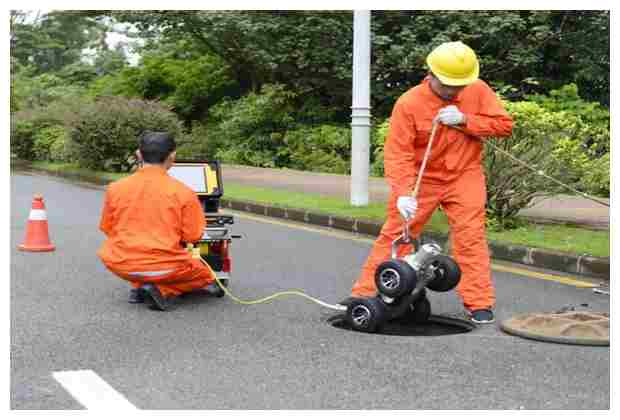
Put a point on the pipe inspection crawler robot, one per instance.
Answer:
(401, 285)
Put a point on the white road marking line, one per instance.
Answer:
(91, 391)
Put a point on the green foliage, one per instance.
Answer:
(107, 130)
(190, 85)
(251, 129)
(596, 176)
(27, 123)
(379, 137)
(588, 151)
(324, 148)
(49, 143)
(48, 42)
(550, 143)
(124, 83)
(594, 118)
(199, 143)
(34, 91)
(310, 51)
(22, 139)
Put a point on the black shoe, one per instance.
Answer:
(136, 295)
(482, 316)
(214, 289)
(155, 298)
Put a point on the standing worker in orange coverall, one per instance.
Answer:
(146, 218)
(468, 111)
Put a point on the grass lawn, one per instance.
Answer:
(554, 237)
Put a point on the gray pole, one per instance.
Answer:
(360, 117)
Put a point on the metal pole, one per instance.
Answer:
(360, 117)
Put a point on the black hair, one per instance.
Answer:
(156, 146)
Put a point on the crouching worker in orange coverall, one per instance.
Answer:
(467, 111)
(147, 217)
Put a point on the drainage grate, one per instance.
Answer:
(435, 326)
(572, 327)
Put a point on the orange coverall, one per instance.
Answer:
(145, 217)
(453, 178)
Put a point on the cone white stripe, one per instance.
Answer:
(38, 215)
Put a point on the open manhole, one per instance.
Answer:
(436, 325)
(573, 327)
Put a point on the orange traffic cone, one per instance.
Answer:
(37, 237)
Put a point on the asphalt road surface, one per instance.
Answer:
(69, 316)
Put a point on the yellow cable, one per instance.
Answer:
(196, 254)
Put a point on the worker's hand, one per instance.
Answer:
(407, 206)
(451, 115)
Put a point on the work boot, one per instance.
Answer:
(482, 316)
(155, 298)
(136, 295)
(214, 289)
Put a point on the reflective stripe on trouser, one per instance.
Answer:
(463, 201)
(195, 275)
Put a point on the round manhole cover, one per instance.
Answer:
(583, 328)
(436, 325)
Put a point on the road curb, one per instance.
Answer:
(541, 258)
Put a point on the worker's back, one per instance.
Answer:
(146, 216)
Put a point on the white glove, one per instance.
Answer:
(407, 206)
(450, 115)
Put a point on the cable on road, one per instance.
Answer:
(290, 292)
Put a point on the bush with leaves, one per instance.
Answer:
(378, 142)
(550, 143)
(22, 138)
(50, 143)
(27, 123)
(198, 143)
(106, 132)
(324, 148)
(594, 118)
(251, 129)
(190, 85)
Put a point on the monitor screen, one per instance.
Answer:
(191, 175)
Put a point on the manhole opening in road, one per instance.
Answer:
(435, 326)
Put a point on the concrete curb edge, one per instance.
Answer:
(553, 260)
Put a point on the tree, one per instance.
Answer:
(51, 41)
(520, 52)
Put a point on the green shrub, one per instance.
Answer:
(107, 130)
(325, 148)
(596, 176)
(50, 139)
(199, 143)
(550, 142)
(62, 150)
(251, 129)
(41, 90)
(118, 84)
(27, 123)
(189, 85)
(22, 138)
(378, 142)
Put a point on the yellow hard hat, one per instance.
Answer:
(454, 64)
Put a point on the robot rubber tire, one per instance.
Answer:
(366, 314)
(395, 278)
(447, 274)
